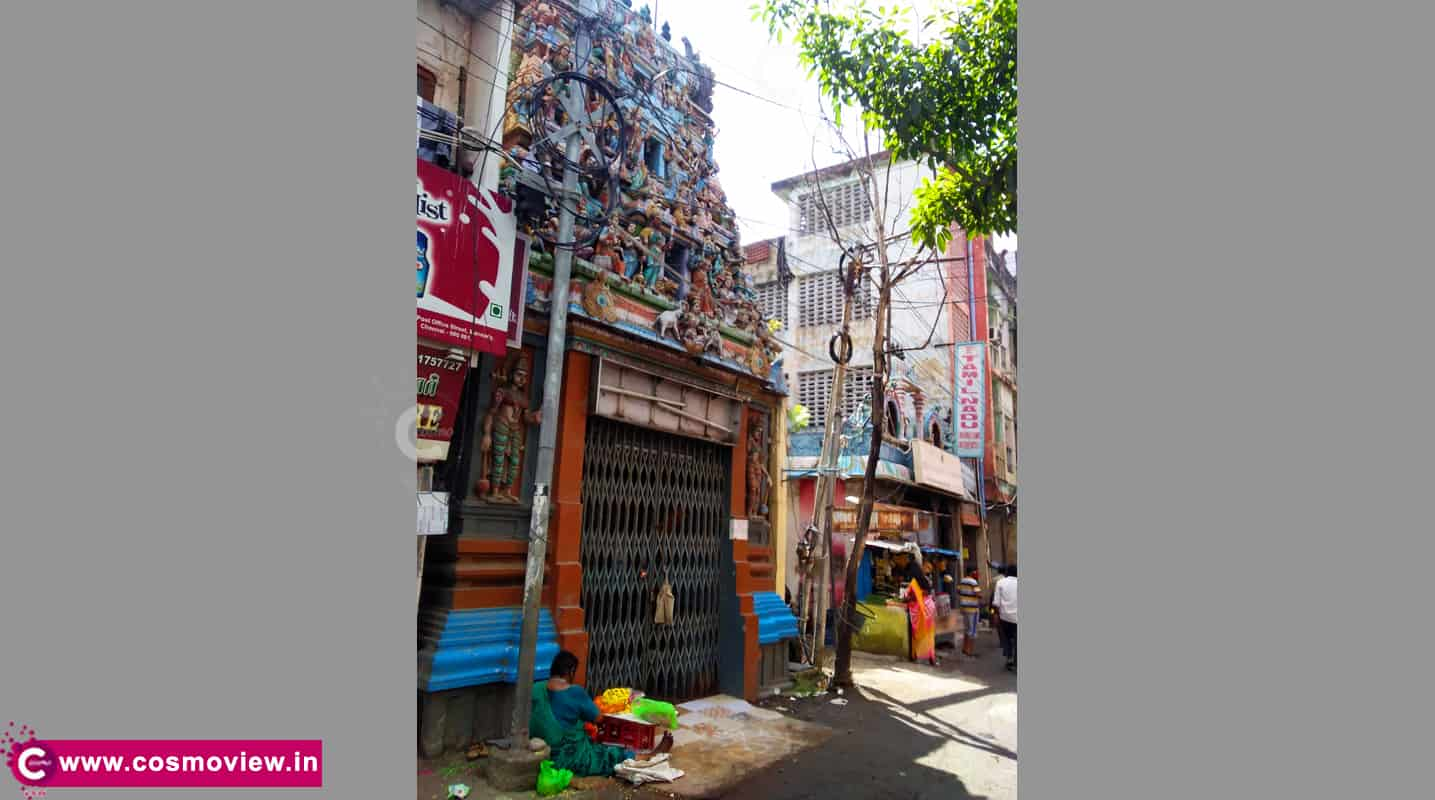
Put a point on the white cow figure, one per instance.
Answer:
(667, 323)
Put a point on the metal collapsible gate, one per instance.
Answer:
(655, 507)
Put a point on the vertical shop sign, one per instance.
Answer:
(971, 391)
(440, 383)
(466, 239)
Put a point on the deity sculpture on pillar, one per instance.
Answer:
(500, 451)
(758, 479)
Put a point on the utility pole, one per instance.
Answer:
(575, 109)
(823, 497)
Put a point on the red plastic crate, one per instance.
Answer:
(633, 734)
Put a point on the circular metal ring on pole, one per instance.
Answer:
(849, 276)
(844, 342)
(548, 149)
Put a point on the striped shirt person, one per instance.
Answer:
(969, 592)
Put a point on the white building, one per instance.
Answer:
(810, 304)
(799, 284)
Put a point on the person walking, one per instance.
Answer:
(921, 608)
(969, 593)
(1004, 605)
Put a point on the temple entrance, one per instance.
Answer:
(655, 507)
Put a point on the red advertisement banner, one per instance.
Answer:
(465, 261)
(440, 382)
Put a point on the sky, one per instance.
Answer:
(758, 142)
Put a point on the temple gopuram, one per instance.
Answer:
(668, 420)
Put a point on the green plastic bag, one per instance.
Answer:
(551, 781)
(647, 710)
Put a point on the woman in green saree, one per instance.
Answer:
(560, 707)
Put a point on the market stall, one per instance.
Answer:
(885, 624)
(884, 627)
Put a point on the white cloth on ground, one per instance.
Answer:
(653, 770)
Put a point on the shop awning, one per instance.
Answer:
(883, 544)
(884, 476)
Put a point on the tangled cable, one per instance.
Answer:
(551, 154)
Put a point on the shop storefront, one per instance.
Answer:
(925, 491)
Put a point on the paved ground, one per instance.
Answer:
(908, 731)
(911, 732)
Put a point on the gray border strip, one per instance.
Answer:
(207, 530)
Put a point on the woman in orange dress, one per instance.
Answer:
(921, 607)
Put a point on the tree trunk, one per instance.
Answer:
(842, 670)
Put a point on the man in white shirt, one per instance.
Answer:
(1004, 606)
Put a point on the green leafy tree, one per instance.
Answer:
(949, 102)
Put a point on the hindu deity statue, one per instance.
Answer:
(545, 21)
(647, 42)
(549, 106)
(745, 288)
(504, 436)
(758, 479)
(609, 248)
(655, 212)
(740, 316)
(701, 293)
(679, 178)
(722, 283)
(592, 206)
(639, 174)
(631, 261)
(703, 219)
(530, 72)
(653, 266)
(508, 170)
(625, 72)
(610, 137)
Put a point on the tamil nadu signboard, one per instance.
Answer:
(935, 468)
(466, 250)
(970, 395)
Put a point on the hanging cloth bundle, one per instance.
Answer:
(664, 615)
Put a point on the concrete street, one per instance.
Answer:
(908, 731)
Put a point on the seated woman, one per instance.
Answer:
(560, 707)
(571, 703)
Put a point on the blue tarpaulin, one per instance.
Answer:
(479, 646)
(775, 621)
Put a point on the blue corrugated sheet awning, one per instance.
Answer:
(478, 646)
(775, 621)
